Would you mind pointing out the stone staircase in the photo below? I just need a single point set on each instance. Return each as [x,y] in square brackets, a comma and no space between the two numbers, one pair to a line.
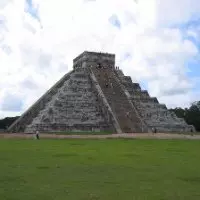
[72,108]
[117,99]
[154,114]
[97,97]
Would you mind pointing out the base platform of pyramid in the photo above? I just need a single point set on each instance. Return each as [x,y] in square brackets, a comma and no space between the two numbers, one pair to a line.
[97,96]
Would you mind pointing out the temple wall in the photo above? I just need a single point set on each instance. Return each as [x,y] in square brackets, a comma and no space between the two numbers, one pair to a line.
[87,59]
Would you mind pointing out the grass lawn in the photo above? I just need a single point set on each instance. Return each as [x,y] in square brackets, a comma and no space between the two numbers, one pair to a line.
[115,169]
[83,133]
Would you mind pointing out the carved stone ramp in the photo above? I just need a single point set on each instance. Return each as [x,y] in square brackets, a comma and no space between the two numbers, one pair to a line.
[126,116]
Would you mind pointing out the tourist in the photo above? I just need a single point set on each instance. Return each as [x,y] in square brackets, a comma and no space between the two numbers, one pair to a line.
[191,130]
[154,130]
[127,114]
[37,135]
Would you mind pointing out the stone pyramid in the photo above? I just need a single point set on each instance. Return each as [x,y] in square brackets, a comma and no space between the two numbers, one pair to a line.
[96,96]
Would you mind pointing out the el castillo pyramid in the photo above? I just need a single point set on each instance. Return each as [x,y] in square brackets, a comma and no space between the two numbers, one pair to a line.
[97,96]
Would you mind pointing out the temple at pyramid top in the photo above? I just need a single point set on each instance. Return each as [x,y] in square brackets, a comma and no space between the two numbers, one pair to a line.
[97,96]
[87,59]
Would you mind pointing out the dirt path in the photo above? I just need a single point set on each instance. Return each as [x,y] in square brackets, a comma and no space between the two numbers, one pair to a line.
[124,135]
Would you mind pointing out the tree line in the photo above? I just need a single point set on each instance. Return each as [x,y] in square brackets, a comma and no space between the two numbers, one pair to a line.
[191,116]
[6,122]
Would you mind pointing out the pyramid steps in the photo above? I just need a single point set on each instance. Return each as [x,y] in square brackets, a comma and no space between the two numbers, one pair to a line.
[153,113]
[73,108]
[117,99]
[95,96]
[27,117]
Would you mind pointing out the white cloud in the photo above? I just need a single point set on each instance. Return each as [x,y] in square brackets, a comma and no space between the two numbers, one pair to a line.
[177,12]
[146,45]
[11,103]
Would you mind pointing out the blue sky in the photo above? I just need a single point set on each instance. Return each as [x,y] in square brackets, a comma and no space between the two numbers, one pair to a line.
[39,40]
[115,21]
[193,65]
[33,11]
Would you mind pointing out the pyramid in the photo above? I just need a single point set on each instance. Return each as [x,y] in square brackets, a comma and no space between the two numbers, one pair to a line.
[97,96]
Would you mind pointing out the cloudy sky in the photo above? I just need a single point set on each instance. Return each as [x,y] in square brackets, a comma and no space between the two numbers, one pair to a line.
[156,42]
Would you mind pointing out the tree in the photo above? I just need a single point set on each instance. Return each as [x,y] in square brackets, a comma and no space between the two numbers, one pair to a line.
[191,114]
[6,122]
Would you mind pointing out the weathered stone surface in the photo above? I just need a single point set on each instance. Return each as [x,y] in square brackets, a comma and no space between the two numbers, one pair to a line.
[74,107]
[154,114]
[96,97]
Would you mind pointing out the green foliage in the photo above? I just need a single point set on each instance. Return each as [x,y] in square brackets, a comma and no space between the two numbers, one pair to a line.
[191,115]
[99,169]
[6,122]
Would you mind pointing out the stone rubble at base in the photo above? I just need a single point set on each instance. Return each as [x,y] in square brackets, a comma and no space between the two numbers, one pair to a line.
[97,96]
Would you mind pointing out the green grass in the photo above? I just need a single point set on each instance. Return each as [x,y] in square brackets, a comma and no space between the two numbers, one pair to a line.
[115,169]
[189,133]
[83,133]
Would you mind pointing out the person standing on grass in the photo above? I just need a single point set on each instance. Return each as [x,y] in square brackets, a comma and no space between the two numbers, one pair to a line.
[191,131]
[37,135]
[154,130]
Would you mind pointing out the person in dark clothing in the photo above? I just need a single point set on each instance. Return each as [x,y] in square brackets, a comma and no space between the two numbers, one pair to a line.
[154,130]
[99,66]
[191,130]
[37,135]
